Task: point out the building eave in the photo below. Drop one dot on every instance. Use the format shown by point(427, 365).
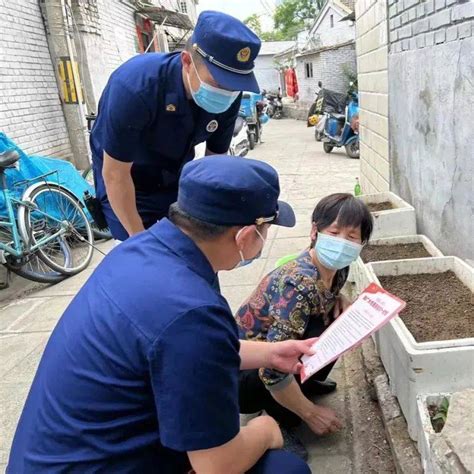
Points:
point(165, 17)
point(324, 48)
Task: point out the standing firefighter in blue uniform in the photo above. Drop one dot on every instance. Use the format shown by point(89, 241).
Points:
point(141, 373)
point(156, 108)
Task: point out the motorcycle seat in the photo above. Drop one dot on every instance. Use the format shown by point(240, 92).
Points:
point(8, 158)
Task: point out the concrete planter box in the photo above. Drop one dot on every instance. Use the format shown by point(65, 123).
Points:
point(416, 368)
point(401, 220)
point(426, 433)
point(359, 273)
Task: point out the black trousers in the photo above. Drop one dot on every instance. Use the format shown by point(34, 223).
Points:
point(254, 396)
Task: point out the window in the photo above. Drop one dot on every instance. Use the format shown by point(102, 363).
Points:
point(183, 6)
point(331, 18)
point(308, 70)
point(146, 41)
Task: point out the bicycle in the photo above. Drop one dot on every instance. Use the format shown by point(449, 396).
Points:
point(50, 237)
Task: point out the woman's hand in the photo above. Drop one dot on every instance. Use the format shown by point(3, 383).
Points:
point(284, 356)
point(322, 420)
point(342, 303)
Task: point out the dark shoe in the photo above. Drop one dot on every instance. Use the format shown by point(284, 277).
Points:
point(323, 387)
point(293, 444)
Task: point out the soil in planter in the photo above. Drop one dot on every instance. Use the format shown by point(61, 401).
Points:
point(439, 306)
point(380, 206)
point(378, 253)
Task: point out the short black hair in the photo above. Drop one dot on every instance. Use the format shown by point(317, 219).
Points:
point(347, 210)
point(196, 228)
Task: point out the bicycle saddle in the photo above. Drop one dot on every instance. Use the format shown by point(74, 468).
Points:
point(8, 158)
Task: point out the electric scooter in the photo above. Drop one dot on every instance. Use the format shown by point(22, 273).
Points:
point(343, 129)
point(275, 106)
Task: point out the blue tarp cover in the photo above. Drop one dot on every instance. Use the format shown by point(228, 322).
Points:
point(32, 166)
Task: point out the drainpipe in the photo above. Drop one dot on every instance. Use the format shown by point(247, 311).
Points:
point(69, 84)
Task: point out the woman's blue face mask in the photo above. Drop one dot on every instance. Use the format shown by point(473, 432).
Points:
point(210, 98)
point(336, 253)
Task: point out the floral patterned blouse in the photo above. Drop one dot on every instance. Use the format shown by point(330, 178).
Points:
point(285, 302)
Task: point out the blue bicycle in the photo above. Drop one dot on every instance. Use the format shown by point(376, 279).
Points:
point(46, 236)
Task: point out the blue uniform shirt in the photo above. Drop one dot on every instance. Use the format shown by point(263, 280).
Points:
point(144, 117)
point(141, 368)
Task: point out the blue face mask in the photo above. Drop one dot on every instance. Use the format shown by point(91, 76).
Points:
point(247, 261)
point(335, 253)
point(210, 98)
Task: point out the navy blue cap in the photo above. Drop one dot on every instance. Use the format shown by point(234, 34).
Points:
point(229, 49)
point(226, 190)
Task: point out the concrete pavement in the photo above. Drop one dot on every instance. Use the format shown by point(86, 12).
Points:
point(306, 175)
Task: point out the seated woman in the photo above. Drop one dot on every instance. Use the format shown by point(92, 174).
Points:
point(298, 301)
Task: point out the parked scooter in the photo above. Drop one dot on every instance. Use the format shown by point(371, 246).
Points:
point(253, 110)
point(248, 110)
point(343, 130)
point(239, 145)
point(274, 105)
point(336, 120)
point(262, 117)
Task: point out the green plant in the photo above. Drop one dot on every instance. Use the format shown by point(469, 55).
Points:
point(350, 75)
point(290, 17)
point(253, 22)
point(439, 414)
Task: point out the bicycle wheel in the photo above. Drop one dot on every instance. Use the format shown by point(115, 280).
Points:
point(31, 266)
point(52, 208)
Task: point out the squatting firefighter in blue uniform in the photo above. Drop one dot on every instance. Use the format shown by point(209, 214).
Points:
point(141, 373)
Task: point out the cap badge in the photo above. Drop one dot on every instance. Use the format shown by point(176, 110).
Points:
point(212, 126)
point(244, 55)
point(171, 108)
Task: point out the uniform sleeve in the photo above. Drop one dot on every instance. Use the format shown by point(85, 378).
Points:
point(290, 312)
point(124, 115)
point(219, 141)
point(194, 374)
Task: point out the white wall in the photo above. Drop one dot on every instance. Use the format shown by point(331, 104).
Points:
point(341, 32)
point(430, 72)
point(266, 73)
point(118, 42)
point(30, 107)
point(328, 67)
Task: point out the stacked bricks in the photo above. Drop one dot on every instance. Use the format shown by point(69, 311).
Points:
point(416, 24)
point(372, 55)
point(30, 106)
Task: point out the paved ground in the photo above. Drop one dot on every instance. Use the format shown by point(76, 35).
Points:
point(306, 175)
